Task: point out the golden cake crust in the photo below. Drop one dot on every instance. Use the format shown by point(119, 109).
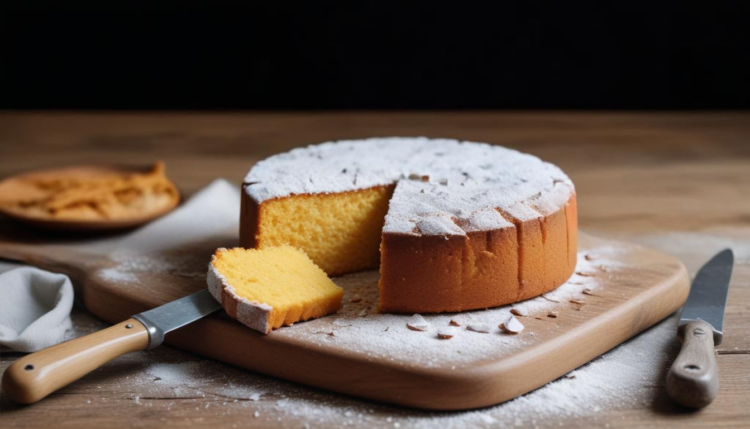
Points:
point(432, 274)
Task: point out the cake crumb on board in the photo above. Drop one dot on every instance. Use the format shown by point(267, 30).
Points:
point(511, 325)
point(418, 323)
point(483, 328)
point(447, 332)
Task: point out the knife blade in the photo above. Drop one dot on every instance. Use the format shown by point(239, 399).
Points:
point(693, 379)
point(176, 314)
point(708, 294)
point(35, 376)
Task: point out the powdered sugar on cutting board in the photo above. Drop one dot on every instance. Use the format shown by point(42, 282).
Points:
point(627, 377)
point(358, 328)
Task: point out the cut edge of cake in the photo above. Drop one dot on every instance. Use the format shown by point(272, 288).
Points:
point(252, 313)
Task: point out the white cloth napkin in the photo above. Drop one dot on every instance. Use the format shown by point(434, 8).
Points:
point(34, 308)
point(35, 304)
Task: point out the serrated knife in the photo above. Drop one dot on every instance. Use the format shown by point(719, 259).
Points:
point(693, 379)
point(35, 376)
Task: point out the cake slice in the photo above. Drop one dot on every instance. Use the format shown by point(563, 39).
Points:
point(272, 287)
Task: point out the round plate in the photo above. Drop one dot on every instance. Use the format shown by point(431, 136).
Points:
point(20, 184)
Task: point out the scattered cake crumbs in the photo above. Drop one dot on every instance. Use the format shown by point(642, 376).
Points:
point(417, 323)
point(454, 322)
point(552, 314)
point(579, 301)
point(447, 332)
point(589, 257)
point(520, 311)
point(482, 328)
point(588, 291)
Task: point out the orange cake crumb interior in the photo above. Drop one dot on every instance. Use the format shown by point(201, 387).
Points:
point(283, 278)
point(340, 232)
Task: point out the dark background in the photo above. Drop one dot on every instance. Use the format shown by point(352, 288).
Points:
point(377, 55)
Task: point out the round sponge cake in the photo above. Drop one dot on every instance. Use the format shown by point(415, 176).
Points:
point(452, 225)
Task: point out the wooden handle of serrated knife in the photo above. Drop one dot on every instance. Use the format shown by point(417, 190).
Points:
point(693, 380)
point(35, 376)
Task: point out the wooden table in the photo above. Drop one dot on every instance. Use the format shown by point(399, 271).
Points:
point(677, 181)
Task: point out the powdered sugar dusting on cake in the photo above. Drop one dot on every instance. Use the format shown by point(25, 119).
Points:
point(483, 220)
point(439, 224)
point(441, 183)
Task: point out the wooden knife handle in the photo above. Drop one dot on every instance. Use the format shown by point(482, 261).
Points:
point(693, 380)
point(35, 376)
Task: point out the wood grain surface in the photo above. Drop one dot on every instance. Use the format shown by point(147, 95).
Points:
point(677, 182)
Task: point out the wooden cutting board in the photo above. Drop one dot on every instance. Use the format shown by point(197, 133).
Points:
point(375, 356)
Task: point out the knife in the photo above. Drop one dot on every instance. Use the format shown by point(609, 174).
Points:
point(35, 376)
point(693, 379)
